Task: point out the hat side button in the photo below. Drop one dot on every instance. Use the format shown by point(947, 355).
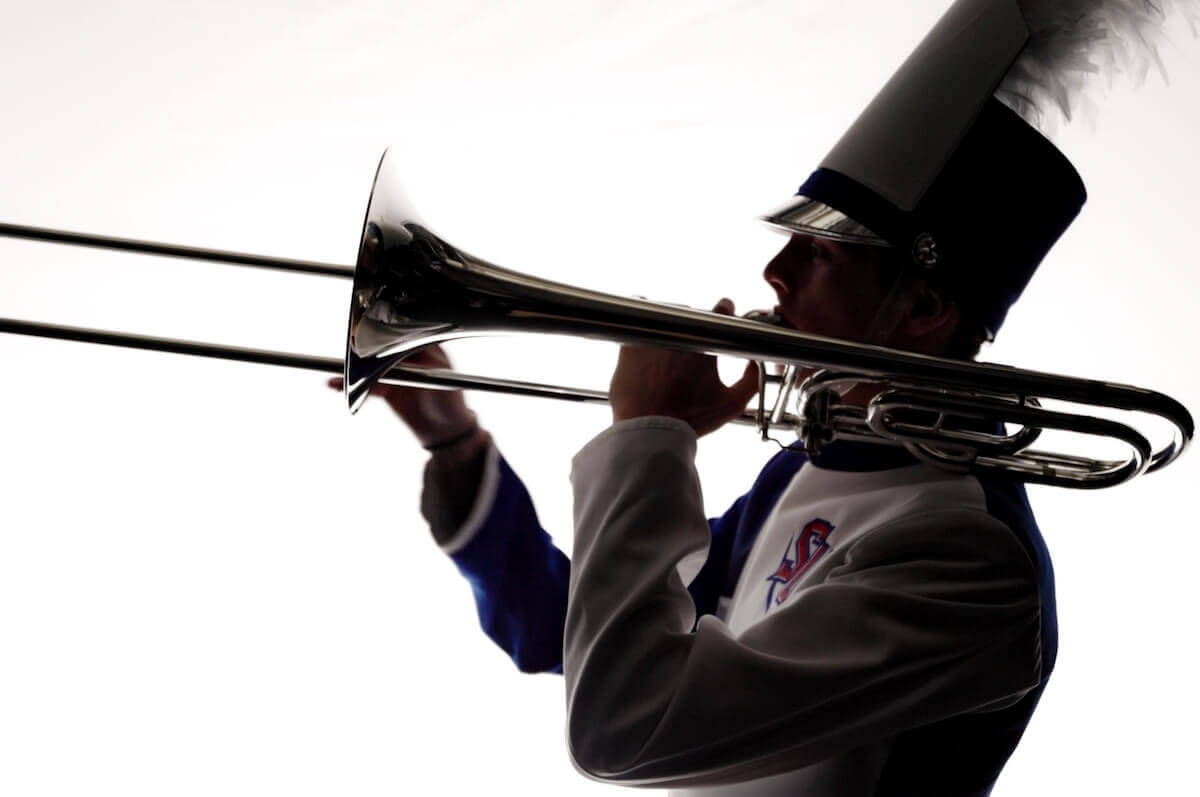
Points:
point(925, 250)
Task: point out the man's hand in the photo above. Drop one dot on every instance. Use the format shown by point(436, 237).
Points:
point(654, 381)
point(434, 416)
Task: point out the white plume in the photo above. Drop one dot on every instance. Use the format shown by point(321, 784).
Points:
point(1074, 42)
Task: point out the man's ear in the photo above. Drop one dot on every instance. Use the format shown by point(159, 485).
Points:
point(930, 321)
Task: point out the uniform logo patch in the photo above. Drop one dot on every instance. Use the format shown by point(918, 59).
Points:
point(804, 548)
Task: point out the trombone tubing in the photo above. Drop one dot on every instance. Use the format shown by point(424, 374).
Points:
point(400, 375)
point(432, 378)
point(171, 250)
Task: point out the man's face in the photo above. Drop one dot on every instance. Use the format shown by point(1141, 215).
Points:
point(827, 288)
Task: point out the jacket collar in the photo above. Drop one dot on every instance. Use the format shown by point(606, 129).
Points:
point(852, 455)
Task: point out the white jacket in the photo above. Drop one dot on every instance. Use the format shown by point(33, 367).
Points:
point(889, 632)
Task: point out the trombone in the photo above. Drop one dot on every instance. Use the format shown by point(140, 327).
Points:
point(411, 289)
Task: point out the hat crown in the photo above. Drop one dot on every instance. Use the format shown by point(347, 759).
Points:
point(900, 142)
point(938, 168)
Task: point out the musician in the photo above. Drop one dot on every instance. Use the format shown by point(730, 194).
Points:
point(933, 629)
point(859, 622)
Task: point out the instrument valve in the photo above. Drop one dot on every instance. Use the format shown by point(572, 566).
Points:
point(816, 430)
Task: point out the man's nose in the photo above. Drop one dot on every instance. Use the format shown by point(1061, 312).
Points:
point(783, 271)
point(776, 273)
point(778, 285)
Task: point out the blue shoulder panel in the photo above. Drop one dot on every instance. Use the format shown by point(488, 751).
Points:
point(963, 756)
point(735, 531)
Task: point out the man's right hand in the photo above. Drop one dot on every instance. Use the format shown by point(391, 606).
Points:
point(435, 417)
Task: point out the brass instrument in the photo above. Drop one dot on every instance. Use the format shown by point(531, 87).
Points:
point(411, 289)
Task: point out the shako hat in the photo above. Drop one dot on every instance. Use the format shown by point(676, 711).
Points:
point(939, 169)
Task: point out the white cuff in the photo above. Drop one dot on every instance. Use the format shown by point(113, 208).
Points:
point(489, 484)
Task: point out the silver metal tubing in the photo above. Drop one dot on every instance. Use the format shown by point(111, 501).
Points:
point(171, 250)
point(399, 375)
point(170, 345)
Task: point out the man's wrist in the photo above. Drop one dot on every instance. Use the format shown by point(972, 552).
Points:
point(463, 448)
point(433, 435)
point(450, 441)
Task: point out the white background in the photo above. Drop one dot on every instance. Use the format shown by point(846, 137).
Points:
point(214, 579)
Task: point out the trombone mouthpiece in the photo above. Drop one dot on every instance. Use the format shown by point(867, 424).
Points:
point(764, 316)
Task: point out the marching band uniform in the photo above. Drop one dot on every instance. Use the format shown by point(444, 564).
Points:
point(858, 623)
point(868, 625)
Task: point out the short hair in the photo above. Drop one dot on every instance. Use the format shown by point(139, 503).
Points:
point(971, 332)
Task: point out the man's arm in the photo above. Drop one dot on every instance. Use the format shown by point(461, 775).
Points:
point(454, 478)
point(482, 516)
point(932, 617)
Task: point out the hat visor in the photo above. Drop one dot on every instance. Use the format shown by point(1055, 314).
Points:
point(806, 215)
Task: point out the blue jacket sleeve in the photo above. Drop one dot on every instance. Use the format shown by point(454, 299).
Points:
point(518, 575)
point(520, 578)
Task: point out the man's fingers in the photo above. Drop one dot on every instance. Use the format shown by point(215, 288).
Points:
point(429, 356)
point(747, 386)
point(335, 382)
point(724, 307)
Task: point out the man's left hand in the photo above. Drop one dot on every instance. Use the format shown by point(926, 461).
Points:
point(678, 384)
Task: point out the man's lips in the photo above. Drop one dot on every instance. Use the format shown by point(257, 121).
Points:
point(784, 321)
